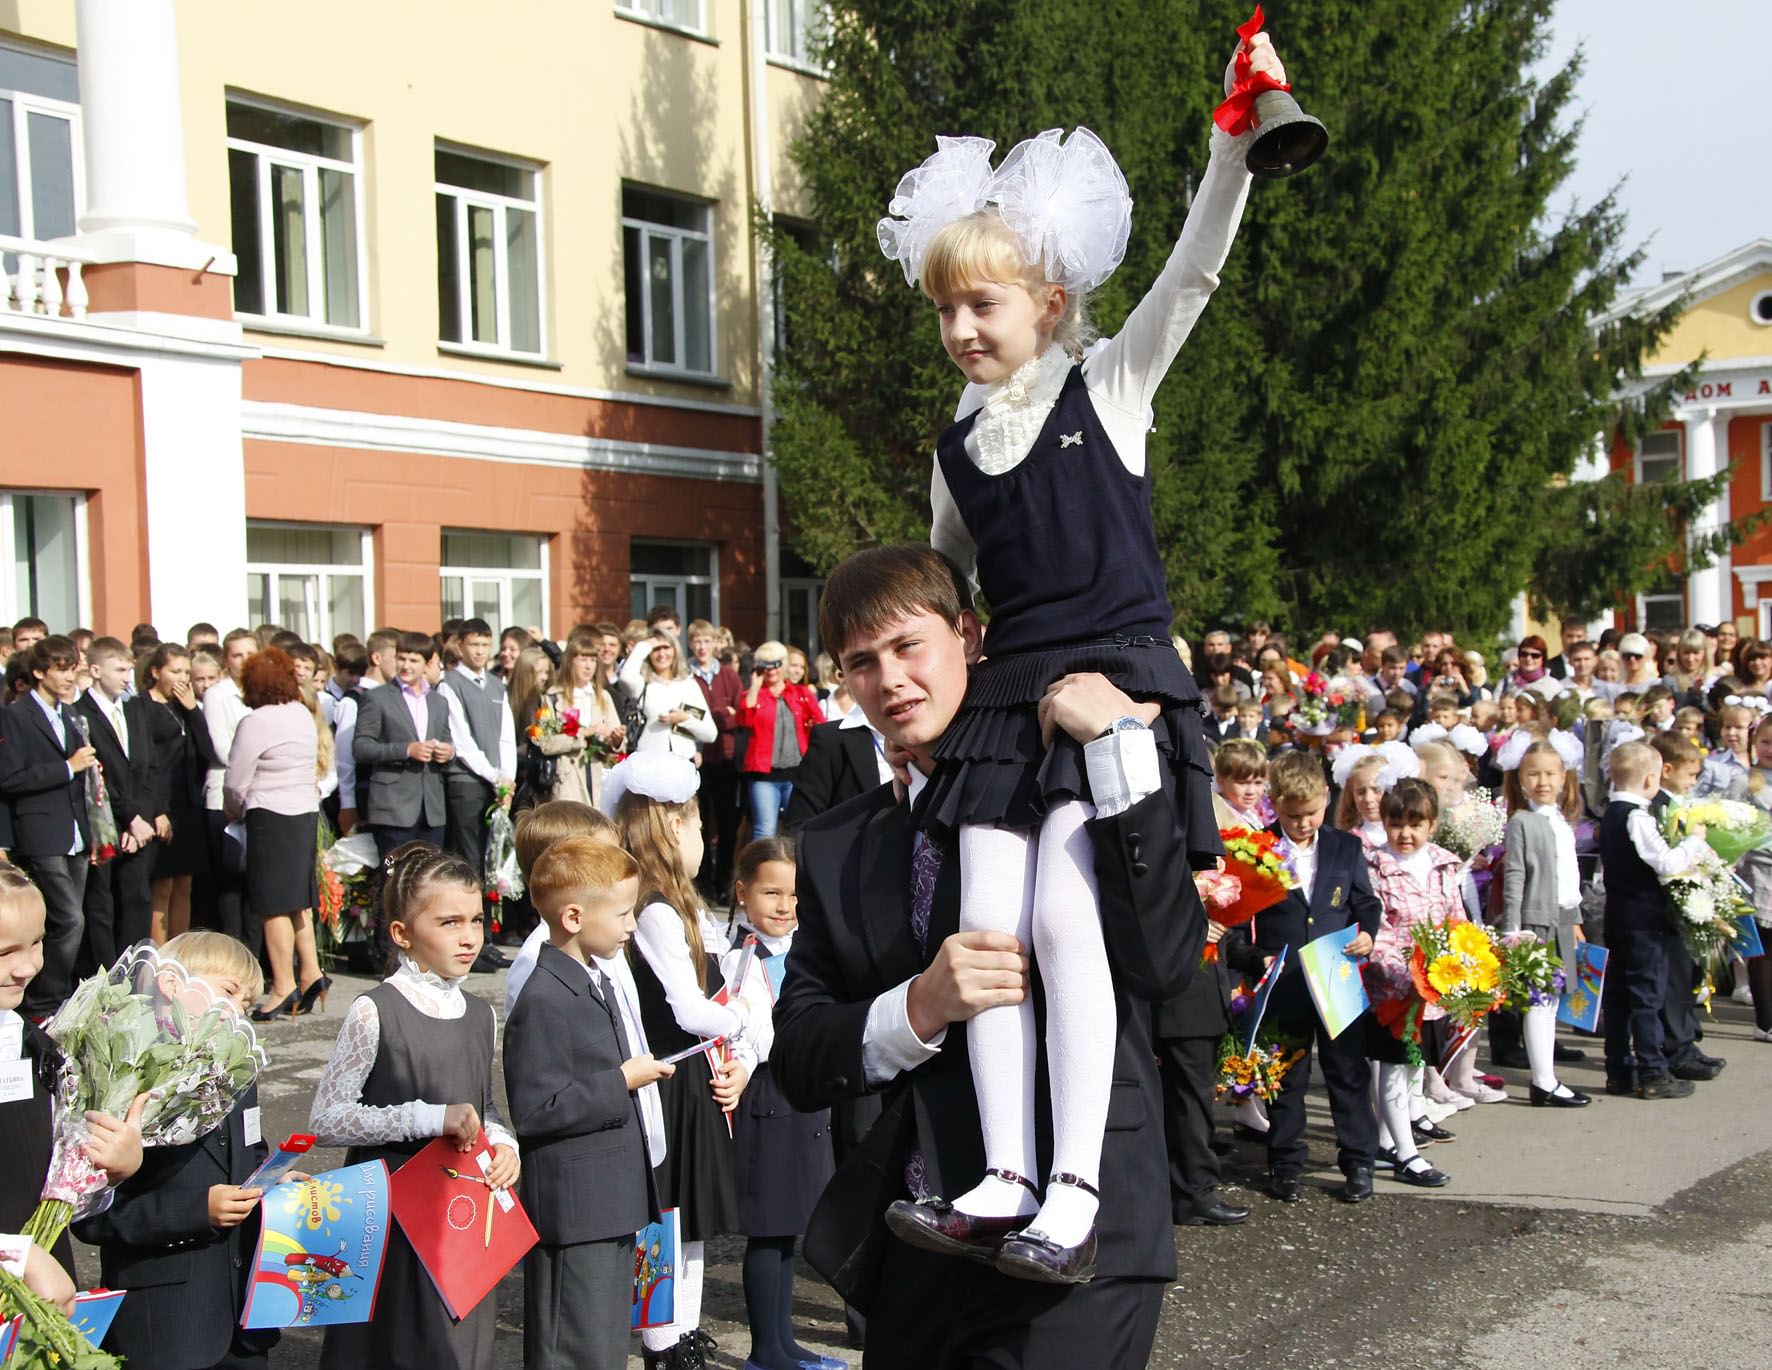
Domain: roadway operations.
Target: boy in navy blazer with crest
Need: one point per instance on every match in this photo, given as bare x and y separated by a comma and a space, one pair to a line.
571, 1073
1333, 892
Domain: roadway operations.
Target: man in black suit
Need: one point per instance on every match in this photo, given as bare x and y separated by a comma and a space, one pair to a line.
1188, 1029
881, 985
119, 901
42, 757
406, 796
843, 759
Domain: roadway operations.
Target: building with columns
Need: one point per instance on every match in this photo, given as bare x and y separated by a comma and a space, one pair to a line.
1723, 423
338, 315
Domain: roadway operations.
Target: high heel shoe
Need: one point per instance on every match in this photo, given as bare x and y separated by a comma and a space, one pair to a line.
314, 992
286, 1006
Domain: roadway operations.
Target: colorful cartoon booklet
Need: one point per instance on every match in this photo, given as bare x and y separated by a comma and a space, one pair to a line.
320, 1249
1579, 1006
655, 1272
1334, 979
466, 1234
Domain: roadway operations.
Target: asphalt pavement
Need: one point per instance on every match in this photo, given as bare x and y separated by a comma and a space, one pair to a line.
1628, 1233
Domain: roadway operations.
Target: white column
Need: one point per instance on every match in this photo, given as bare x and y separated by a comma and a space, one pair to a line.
1723, 571
1703, 602
132, 131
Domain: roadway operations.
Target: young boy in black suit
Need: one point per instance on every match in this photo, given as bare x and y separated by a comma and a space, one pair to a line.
571, 1077
119, 900
1333, 891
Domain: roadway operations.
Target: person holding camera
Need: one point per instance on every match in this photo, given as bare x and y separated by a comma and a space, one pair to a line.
780, 716
674, 713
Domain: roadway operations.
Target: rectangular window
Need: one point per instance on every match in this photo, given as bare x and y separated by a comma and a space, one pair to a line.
683, 575
805, 237
41, 181
43, 570
500, 577
1766, 463
1659, 457
293, 196
489, 263
799, 613
1663, 608
311, 578
796, 29
667, 258
679, 14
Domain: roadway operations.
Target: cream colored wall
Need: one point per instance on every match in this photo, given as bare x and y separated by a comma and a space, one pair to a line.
592, 97
1720, 327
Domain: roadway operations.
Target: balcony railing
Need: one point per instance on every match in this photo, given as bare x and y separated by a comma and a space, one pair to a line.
41, 278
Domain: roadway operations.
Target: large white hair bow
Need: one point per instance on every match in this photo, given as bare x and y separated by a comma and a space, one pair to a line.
1345, 761
1513, 751
1401, 763
1065, 199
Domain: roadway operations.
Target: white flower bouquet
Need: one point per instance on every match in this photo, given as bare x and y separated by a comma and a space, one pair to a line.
1474, 825
1707, 900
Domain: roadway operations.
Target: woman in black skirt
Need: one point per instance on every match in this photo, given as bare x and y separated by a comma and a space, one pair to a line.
273, 783
173, 718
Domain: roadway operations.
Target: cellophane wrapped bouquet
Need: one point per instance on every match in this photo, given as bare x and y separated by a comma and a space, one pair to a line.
1454, 966
1251, 876
1473, 825
1707, 901
1731, 827
1531, 973
1258, 1071
502, 877
101, 822
144, 1027
347, 890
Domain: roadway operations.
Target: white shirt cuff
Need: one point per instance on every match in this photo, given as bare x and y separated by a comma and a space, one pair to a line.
889, 1045
1123, 770
427, 1119
15, 1250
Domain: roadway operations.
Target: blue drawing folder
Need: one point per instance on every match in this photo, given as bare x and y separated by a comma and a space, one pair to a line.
1580, 1005
1334, 979
1264, 990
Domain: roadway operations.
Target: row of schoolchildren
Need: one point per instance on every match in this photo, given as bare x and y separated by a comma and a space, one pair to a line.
1378, 867
602, 1135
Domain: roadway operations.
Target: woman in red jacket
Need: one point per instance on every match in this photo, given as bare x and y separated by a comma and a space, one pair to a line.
779, 716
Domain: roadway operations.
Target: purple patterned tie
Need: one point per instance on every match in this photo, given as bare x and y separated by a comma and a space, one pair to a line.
925, 866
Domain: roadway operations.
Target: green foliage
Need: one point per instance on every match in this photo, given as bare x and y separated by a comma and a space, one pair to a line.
1371, 419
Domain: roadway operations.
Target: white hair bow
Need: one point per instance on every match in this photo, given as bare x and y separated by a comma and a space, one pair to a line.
1401, 763
663, 776
1513, 751
1345, 761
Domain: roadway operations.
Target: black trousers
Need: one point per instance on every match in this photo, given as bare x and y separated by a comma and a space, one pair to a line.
119, 908
389, 839
719, 826
943, 1313
1679, 1005
1631, 999
465, 801
1347, 1075
229, 892
576, 1305
1186, 1069
62, 882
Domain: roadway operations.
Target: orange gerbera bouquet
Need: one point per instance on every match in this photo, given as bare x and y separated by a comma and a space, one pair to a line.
1252, 877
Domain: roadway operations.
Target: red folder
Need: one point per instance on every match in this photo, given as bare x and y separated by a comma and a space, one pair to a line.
467, 1236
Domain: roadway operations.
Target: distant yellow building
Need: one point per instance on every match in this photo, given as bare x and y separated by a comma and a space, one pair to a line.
1724, 421
336, 314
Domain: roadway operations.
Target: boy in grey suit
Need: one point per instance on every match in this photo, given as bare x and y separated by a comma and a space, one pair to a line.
571, 1074
403, 734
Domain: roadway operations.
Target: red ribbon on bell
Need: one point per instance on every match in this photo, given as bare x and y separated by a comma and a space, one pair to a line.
1237, 114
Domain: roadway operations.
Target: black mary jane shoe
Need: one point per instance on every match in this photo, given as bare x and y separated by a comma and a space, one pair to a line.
1244, 1133
1358, 1188
1384, 1159
1426, 1132
936, 1225
1031, 1255
1422, 1179
1549, 1098
285, 1009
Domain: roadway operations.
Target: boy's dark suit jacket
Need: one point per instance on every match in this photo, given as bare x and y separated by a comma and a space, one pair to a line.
46, 803
186, 1279
838, 766
403, 793
586, 1176
1340, 895
855, 943
130, 778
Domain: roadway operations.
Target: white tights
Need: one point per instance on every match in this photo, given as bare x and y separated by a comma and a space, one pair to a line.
1392, 1089
1040, 887
691, 1259
1540, 1031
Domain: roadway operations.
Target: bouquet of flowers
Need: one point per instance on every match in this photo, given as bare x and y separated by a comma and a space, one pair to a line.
348, 887
1473, 826
501, 875
1707, 900
1313, 714
1250, 877
603, 749
1732, 828
1454, 966
1531, 974
143, 1028
1347, 700
550, 722
100, 821
1257, 1071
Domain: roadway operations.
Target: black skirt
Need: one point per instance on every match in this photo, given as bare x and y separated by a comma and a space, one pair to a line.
697, 1175
280, 861
785, 1160
996, 771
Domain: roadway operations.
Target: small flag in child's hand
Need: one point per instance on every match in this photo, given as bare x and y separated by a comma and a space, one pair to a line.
655, 1272
1264, 991
442, 1201
1334, 979
1748, 943
1586, 977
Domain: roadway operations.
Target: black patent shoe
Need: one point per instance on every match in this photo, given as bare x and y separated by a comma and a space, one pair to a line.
1426, 1132
1359, 1185
1212, 1211
1568, 1055
283, 1009
1244, 1133
1548, 1098
1032, 1255
936, 1225
1422, 1179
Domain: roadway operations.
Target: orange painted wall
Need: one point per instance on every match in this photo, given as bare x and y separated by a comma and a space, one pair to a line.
588, 516
74, 427
1746, 497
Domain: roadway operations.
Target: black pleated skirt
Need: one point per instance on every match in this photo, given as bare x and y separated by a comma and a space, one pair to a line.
698, 1176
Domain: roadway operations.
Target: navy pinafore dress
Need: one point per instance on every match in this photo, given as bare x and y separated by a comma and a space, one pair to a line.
1068, 562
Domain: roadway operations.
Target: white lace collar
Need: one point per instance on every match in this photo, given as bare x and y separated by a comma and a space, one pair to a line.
427, 990
1015, 410
1033, 384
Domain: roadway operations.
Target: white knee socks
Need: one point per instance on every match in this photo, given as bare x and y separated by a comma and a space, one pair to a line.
691, 1259
1393, 1110
1541, 1045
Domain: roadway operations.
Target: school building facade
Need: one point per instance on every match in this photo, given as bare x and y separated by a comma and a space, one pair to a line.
340, 315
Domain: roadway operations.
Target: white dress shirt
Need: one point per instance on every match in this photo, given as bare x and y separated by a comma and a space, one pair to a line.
491, 770
855, 718
223, 708
1304, 864
1645, 836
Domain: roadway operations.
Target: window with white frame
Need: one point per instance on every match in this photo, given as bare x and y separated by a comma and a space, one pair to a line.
43, 558
489, 264
805, 237
1662, 609
1658, 459
668, 261
678, 14
294, 194
799, 612
41, 181
685, 576
796, 28
311, 578
500, 577
1766, 463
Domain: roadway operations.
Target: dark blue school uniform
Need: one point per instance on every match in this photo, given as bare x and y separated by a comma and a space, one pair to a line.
1641, 943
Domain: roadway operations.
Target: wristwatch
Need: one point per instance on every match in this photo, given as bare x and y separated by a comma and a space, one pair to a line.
1125, 724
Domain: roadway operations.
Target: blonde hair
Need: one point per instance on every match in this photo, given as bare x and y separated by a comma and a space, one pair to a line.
645, 828
980, 247
1294, 776
16, 885
206, 953
1347, 811
576, 867
679, 665
1632, 761
325, 748
1568, 802
1242, 758
558, 819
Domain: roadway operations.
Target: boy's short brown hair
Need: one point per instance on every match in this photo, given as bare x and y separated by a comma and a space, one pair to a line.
1677, 749
1239, 759
106, 649
574, 868
880, 585
1296, 776
555, 821
1225, 697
